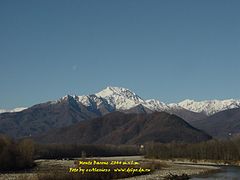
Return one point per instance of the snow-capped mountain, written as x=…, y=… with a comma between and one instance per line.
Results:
x=72, y=109
x=120, y=98
x=209, y=107
x=90, y=100
x=123, y=99
x=13, y=110
x=95, y=103
x=156, y=105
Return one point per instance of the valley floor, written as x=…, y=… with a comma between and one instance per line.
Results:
x=169, y=167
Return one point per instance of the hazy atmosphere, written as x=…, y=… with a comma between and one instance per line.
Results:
x=167, y=50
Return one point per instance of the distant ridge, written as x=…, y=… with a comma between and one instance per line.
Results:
x=121, y=128
x=224, y=124
x=118, y=98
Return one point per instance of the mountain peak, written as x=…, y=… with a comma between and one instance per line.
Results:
x=110, y=90
x=120, y=98
x=66, y=98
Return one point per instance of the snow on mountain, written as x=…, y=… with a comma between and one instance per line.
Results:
x=89, y=100
x=2, y=110
x=120, y=98
x=12, y=110
x=155, y=105
x=209, y=107
x=92, y=100
x=123, y=99
x=115, y=98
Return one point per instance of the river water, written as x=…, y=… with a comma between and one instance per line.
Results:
x=227, y=172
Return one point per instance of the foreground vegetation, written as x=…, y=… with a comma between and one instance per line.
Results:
x=59, y=151
x=15, y=155
x=224, y=150
x=19, y=155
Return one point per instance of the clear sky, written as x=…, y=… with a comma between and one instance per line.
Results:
x=164, y=49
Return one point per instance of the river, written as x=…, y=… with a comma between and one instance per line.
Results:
x=226, y=172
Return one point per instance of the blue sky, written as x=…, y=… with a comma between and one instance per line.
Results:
x=168, y=50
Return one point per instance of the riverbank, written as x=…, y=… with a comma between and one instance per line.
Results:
x=175, y=167
x=206, y=162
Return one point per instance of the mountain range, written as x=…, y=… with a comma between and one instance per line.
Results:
x=117, y=98
x=72, y=109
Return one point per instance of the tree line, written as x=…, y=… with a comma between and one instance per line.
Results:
x=226, y=150
x=20, y=154
x=59, y=151
x=15, y=155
